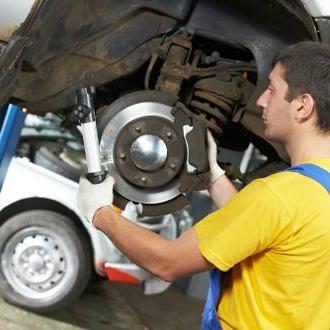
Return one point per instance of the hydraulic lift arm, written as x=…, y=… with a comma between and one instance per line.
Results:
x=11, y=121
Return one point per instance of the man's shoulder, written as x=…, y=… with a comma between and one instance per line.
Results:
x=279, y=179
x=290, y=188
x=273, y=188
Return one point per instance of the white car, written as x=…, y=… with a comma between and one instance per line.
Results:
x=47, y=251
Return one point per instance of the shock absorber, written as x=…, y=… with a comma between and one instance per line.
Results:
x=86, y=117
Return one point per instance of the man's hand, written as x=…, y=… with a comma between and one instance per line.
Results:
x=215, y=170
x=219, y=186
x=91, y=197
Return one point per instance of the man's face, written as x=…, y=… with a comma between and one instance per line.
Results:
x=277, y=114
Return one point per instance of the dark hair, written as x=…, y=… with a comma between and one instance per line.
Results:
x=307, y=70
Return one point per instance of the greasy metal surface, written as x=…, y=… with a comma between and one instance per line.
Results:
x=216, y=98
x=176, y=52
x=97, y=49
x=222, y=102
x=100, y=18
x=179, y=64
x=95, y=62
x=219, y=89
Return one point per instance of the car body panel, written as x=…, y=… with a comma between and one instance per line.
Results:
x=25, y=180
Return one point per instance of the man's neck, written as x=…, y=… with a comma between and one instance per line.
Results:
x=304, y=148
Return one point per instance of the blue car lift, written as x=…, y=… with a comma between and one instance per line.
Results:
x=11, y=122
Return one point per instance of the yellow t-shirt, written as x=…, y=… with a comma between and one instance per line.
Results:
x=274, y=238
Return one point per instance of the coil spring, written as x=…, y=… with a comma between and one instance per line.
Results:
x=214, y=110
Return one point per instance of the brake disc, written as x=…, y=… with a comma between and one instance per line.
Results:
x=143, y=150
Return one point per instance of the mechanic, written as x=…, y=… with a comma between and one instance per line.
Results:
x=273, y=237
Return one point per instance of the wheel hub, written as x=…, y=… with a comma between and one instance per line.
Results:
x=36, y=263
x=148, y=152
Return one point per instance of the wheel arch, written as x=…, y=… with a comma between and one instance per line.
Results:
x=36, y=203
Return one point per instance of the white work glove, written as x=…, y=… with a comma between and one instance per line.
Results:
x=91, y=197
x=132, y=211
x=215, y=170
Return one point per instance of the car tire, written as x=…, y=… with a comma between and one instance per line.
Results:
x=50, y=159
x=46, y=260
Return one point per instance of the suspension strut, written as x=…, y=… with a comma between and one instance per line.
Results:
x=86, y=117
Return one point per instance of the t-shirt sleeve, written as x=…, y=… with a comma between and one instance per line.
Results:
x=254, y=220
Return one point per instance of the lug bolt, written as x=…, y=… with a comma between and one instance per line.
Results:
x=80, y=108
x=143, y=179
x=138, y=129
x=169, y=135
x=122, y=156
x=172, y=165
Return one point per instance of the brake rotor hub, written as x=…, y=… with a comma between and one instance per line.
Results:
x=148, y=152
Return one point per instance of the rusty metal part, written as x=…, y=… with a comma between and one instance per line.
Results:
x=224, y=85
x=214, y=112
x=187, y=72
x=208, y=123
x=215, y=99
x=221, y=102
x=175, y=54
x=153, y=60
x=70, y=52
x=179, y=64
x=219, y=90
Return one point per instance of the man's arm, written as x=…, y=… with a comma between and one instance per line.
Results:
x=221, y=190
x=164, y=258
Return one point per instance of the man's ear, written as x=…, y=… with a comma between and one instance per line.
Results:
x=305, y=107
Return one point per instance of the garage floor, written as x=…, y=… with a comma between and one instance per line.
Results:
x=106, y=305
